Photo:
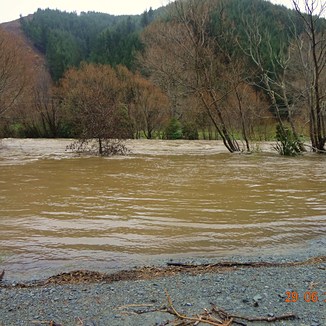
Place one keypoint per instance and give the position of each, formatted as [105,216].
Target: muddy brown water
[62,212]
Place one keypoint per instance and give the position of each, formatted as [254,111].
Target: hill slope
[60,40]
[35,58]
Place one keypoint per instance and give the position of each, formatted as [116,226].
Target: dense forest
[236,70]
[67,39]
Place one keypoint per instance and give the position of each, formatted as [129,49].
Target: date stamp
[308,296]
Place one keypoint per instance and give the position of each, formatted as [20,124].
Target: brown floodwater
[61,212]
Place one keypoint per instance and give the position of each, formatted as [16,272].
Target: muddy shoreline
[275,290]
[172,268]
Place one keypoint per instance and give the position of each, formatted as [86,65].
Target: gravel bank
[241,290]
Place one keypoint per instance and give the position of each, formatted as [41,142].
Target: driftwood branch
[219,317]
[205,318]
[137,309]
[248,318]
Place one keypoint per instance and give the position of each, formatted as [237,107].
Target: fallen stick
[248,318]
[225,318]
[194,319]
[45,322]
[268,319]
[135,306]
[131,309]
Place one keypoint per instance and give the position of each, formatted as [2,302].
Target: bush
[103,147]
[287,144]
[190,131]
[173,130]
[16,130]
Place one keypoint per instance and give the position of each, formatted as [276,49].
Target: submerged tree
[145,103]
[40,113]
[311,47]
[271,60]
[197,60]
[150,106]
[91,96]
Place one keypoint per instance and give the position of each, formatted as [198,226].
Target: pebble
[253,292]
[257,297]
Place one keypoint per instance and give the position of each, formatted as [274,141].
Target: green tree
[62,53]
[118,45]
[68,39]
[173,130]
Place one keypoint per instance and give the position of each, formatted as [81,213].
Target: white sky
[12,9]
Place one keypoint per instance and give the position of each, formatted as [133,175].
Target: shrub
[103,147]
[173,130]
[189,131]
[287,144]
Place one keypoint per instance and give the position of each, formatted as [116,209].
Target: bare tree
[196,60]
[272,76]
[159,62]
[151,106]
[47,106]
[92,97]
[12,72]
[311,46]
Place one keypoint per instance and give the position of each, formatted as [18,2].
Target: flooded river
[61,212]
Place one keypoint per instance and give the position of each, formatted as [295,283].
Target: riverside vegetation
[235,70]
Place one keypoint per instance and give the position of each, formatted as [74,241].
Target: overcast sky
[12,9]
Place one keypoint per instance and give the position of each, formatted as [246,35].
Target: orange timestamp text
[308,296]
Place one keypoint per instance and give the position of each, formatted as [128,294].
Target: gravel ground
[246,291]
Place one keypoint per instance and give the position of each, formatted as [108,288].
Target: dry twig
[206,318]
[2,275]
[222,318]
[134,311]
[45,322]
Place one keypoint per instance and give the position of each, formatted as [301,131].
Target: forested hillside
[66,39]
[236,70]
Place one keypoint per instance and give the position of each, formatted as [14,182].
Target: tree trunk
[243,124]
[100,146]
